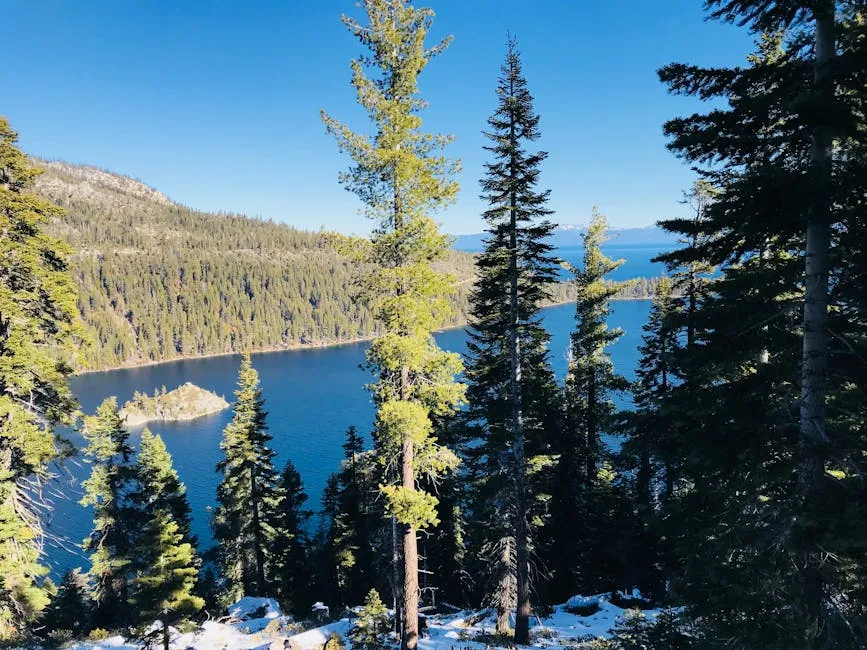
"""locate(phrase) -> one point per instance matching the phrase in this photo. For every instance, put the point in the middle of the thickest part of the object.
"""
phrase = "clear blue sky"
(216, 103)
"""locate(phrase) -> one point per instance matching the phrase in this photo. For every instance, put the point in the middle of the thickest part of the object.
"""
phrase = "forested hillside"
(158, 280)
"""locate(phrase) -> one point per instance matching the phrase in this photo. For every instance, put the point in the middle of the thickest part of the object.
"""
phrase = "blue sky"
(216, 103)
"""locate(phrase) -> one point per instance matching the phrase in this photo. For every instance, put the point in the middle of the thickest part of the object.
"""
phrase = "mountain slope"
(160, 281)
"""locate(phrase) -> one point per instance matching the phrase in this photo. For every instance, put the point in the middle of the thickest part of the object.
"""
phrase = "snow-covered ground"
(258, 624)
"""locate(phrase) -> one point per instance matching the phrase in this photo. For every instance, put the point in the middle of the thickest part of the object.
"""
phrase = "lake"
(312, 396)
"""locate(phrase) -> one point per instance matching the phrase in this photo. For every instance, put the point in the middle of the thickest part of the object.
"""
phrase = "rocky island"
(185, 402)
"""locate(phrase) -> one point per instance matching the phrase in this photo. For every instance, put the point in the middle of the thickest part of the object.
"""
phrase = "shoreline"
(294, 347)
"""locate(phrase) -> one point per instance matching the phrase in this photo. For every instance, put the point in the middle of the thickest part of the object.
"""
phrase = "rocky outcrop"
(186, 402)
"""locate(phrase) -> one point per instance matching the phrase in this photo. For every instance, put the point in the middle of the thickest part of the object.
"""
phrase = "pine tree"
(158, 485)
(401, 178)
(39, 332)
(164, 589)
(765, 491)
(292, 576)
(247, 493)
(371, 626)
(71, 608)
(354, 525)
(584, 486)
(107, 491)
(511, 385)
(648, 448)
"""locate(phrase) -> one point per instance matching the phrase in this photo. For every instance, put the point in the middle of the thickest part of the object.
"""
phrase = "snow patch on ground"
(245, 629)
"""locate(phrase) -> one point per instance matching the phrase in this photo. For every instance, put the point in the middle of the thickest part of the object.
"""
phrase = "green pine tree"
(164, 589)
(71, 608)
(354, 523)
(581, 549)
(158, 485)
(107, 491)
(770, 505)
(248, 491)
(39, 334)
(290, 556)
(371, 627)
(648, 448)
(401, 177)
(512, 393)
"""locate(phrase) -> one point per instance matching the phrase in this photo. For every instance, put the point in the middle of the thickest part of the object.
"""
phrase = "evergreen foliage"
(164, 589)
(106, 491)
(584, 501)
(401, 178)
(354, 527)
(158, 485)
(290, 556)
(512, 393)
(39, 337)
(768, 475)
(648, 451)
(71, 607)
(371, 627)
(248, 493)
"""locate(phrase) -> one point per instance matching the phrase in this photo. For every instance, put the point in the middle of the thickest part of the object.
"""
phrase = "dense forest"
(158, 281)
(725, 508)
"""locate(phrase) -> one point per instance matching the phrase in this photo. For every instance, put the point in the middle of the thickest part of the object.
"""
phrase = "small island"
(185, 402)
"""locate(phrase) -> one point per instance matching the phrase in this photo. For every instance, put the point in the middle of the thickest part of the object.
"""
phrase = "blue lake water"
(312, 396)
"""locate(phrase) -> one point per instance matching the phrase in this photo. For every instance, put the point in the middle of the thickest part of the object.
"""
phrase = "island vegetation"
(186, 402)
(733, 512)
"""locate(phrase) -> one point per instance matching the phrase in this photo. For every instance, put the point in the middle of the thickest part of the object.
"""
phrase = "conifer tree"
(158, 485)
(71, 608)
(354, 525)
(164, 589)
(107, 491)
(649, 442)
(401, 178)
(371, 626)
(39, 332)
(247, 494)
(583, 492)
(767, 493)
(291, 552)
(511, 385)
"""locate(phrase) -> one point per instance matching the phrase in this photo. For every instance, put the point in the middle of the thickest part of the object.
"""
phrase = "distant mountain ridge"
(569, 236)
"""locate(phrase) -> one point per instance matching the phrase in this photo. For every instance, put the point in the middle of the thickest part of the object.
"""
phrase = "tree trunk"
(258, 549)
(504, 595)
(522, 570)
(166, 636)
(409, 638)
(813, 432)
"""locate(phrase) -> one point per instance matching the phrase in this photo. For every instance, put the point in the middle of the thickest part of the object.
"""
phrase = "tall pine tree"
(158, 486)
(401, 177)
(291, 574)
(164, 588)
(511, 391)
(582, 497)
(247, 493)
(771, 471)
(107, 491)
(39, 332)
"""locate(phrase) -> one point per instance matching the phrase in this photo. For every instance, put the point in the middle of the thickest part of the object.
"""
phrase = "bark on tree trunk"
(504, 595)
(815, 362)
(409, 638)
(410, 561)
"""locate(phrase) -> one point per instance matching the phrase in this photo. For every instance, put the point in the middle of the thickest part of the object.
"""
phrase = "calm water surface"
(311, 396)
